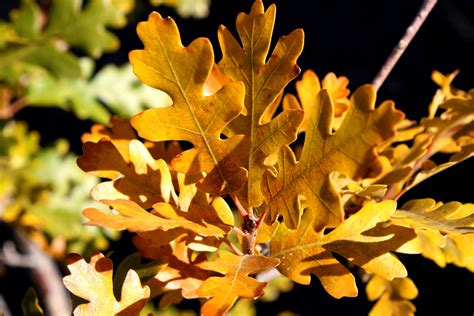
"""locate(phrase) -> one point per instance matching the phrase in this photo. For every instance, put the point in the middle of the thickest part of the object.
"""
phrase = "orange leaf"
(93, 282)
(235, 282)
(181, 72)
(264, 79)
(206, 220)
(136, 176)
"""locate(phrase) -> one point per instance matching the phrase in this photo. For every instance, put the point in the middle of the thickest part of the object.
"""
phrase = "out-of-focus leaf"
(123, 94)
(30, 304)
(27, 19)
(93, 282)
(87, 27)
(166, 64)
(115, 87)
(36, 197)
(393, 297)
(224, 290)
(198, 9)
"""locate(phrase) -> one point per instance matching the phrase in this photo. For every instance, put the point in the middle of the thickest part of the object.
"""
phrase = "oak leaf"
(87, 28)
(426, 214)
(135, 174)
(181, 73)
(182, 270)
(224, 290)
(93, 282)
(443, 231)
(304, 251)
(337, 90)
(350, 151)
(264, 79)
(393, 297)
(206, 220)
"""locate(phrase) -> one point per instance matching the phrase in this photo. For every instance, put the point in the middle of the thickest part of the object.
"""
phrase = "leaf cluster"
(219, 192)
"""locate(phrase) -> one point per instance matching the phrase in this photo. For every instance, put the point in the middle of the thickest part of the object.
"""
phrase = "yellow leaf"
(224, 290)
(350, 151)
(426, 214)
(264, 79)
(443, 230)
(93, 282)
(303, 251)
(393, 296)
(181, 72)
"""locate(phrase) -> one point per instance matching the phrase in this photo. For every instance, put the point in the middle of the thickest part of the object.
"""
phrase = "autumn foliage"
(238, 177)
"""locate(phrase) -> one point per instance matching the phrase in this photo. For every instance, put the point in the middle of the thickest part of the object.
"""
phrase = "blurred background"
(351, 38)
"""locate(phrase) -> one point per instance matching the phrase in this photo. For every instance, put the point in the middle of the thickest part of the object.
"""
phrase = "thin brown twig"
(233, 247)
(404, 42)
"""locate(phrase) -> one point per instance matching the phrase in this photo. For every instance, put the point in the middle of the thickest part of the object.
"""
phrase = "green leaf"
(27, 19)
(30, 304)
(87, 28)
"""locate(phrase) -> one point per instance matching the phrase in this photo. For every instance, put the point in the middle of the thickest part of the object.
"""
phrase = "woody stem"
(404, 42)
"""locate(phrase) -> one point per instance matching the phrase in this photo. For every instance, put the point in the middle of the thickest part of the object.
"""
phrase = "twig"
(10, 256)
(233, 247)
(404, 42)
(45, 274)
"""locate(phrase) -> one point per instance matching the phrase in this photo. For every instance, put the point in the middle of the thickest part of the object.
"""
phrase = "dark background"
(351, 38)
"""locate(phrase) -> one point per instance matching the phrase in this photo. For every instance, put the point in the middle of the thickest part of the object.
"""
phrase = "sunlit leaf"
(235, 281)
(350, 151)
(93, 282)
(181, 72)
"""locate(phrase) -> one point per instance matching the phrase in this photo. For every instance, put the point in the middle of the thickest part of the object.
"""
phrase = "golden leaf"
(264, 80)
(304, 251)
(443, 230)
(93, 282)
(119, 132)
(141, 179)
(350, 151)
(181, 271)
(181, 72)
(393, 297)
(206, 220)
(224, 290)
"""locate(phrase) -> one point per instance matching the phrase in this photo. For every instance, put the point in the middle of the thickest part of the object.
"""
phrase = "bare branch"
(45, 273)
(404, 42)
